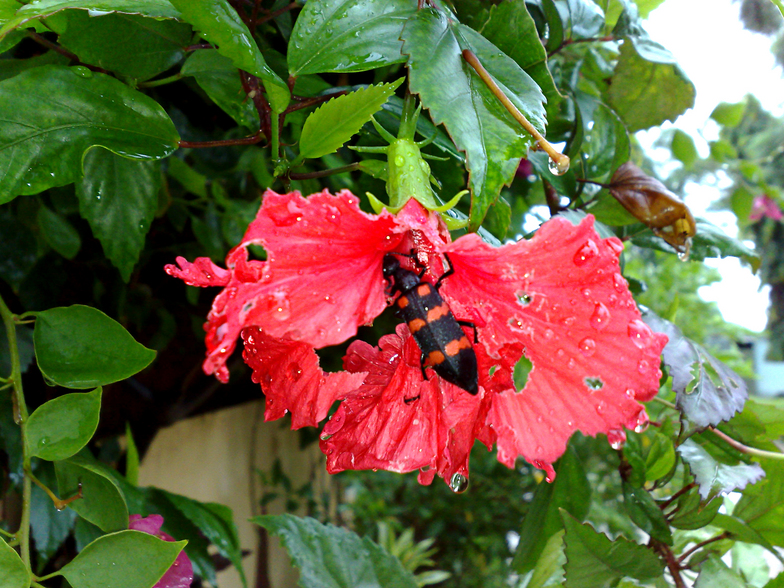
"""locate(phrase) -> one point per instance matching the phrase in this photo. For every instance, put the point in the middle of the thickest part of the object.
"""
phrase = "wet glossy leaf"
(594, 561)
(118, 197)
(62, 426)
(102, 503)
(715, 477)
(660, 457)
(128, 559)
(43, 8)
(707, 391)
(511, 29)
(80, 347)
(454, 94)
(217, 524)
(335, 122)
(218, 77)
(606, 144)
(347, 35)
(58, 232)
(570, 492)
(128, 44)
(643, 106)
(645, 513)
(219, 23)
(585, 17)
(15, 573)
(65, 112)
(335, 557)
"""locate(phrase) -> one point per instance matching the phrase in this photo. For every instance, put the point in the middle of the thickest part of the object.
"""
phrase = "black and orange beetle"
(444, 345)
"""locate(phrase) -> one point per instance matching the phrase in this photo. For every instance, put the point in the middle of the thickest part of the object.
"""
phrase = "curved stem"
(20, 416)
(745, 448)
(560, 160)
(702, 544)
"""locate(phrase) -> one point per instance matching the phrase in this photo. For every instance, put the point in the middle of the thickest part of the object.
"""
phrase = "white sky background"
(725, 62)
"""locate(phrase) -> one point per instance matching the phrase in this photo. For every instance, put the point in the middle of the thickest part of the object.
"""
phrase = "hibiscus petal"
(202, 272)
(399, 422)
(561, 295)
(292, 380)
(322, 278)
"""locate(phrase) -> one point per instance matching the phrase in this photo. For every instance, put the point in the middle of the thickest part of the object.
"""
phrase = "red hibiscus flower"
(559, 299)
(180, 574)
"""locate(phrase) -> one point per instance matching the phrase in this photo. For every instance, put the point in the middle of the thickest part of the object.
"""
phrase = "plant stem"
(745, 448)
(20, 416)
(702, 544)
(560, 160)
(153, 83)
(258, 137)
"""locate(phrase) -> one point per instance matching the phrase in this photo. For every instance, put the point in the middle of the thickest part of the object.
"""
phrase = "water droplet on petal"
(643, 366)
(523, 298)
(619, 282)
(630, 393)
(458, 483)
(549, 472)
(639, 333)
(616, 438)
(600, 317)
(587, 346)
(639, 423)
(586, 253)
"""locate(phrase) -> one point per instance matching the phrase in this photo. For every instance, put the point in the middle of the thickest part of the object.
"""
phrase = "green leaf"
(594, 561)
(39, 9)
(60, 427)
(550, 565)
(59, 233)
(660, 458)
(715, 574)
(217, 524)
(570, 491)
(335, 122)
(347, 35)
(80, 347)
(694, 513)
(18, 249)
(219, 23)
(118, 197)
(642, 106)
(480, 126)
(511, 29)
(710, 241)
(707, 391)
(128, 559)
(683, 148)
(762, 505)
(51, 115)
(216, 75)
(335, 557)
(645, 513)
(127, 44)
(742, 532)
(714, 477)
(606, 145)
(586, 19)
(131, 457)
(15, 573)
(727, 114)
(101, 503)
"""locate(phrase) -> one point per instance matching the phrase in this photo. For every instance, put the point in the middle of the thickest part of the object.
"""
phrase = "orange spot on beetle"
(453, 347)
(437, 312)
(415, 324)
(424, 289)
(435, 358)
(402, 302)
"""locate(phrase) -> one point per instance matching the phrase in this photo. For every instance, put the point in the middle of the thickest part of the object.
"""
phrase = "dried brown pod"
(649, 201)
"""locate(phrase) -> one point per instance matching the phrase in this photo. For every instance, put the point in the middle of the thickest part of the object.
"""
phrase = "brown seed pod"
(649, 201)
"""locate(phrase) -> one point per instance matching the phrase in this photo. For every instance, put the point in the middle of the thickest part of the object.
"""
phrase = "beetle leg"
(422, 359)
(447, 273)
(472, 325)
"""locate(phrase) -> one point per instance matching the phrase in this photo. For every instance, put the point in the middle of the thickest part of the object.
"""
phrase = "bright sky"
(725, 62)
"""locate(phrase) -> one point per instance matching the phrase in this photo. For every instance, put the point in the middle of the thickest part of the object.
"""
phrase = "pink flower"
(559, 299)
(765, 206)
(180, 574)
